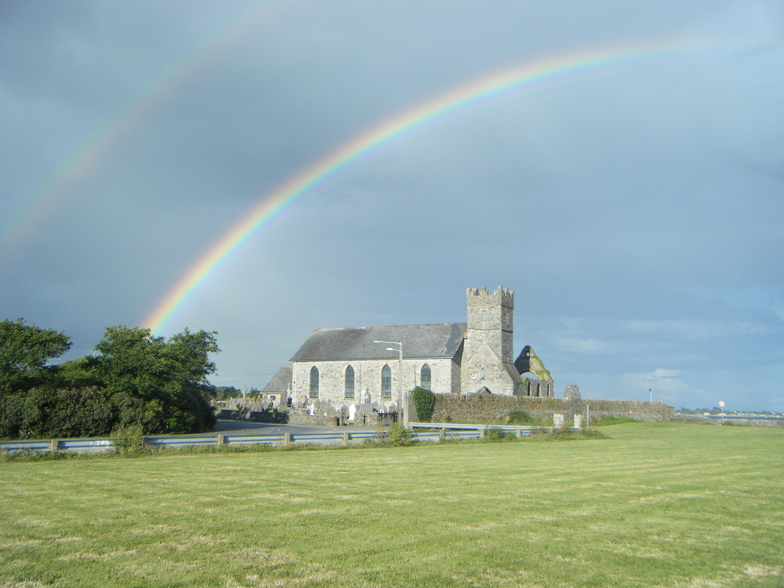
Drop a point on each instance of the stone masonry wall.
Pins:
(331, 399)
(489, 407)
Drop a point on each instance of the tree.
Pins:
(160, 384)
(45, 413)
(78, 373)
(133, 379)
(24, 351)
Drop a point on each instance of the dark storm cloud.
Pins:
(635, 211)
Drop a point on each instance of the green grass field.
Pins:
(653, 505)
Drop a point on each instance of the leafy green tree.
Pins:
(192, 350)
(134, 379)
(160, 384)
(78, 373)
(45, 413)
(24, 352)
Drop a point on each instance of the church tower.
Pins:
(490, 320)
(487, 354)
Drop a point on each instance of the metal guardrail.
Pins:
(420, 432)
(91, 444)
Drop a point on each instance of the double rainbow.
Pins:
(524, 77)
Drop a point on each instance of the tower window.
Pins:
(484, 315)
(424, 377)
(386, 382)
(314, 382)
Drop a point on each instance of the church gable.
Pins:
(484, 369)
(480, 354)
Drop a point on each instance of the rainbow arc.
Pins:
(508, 82)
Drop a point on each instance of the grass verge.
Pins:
(662, 504)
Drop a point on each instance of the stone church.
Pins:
(360, 370)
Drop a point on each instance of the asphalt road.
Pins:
(248, 428)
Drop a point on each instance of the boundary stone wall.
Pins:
(361, 419)
(253, 416)
(477, 408)
(489, 407)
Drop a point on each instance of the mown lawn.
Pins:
(654, 505)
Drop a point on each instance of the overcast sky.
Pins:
(636, 211)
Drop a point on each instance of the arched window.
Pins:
(349, 382)
(386, 382)
(424, 377)
(314, 382)
(482, 374)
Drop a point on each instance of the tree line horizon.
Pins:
(132, 379)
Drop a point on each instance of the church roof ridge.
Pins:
(386, 326)
(359, 343)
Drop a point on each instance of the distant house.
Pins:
(278, 389)
(354, 370)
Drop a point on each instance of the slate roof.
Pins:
(280, 382)
(357, 343)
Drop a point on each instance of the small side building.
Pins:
(278, 389)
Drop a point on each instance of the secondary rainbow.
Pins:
(501, 84)
(97, 146)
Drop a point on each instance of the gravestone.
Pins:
(364, 404)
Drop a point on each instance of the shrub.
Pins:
(83, 412)
(10, 415)
(520, 417)
(128, 440)
(398, 435)
(494, 434)
(424, 403)
(46, 413)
